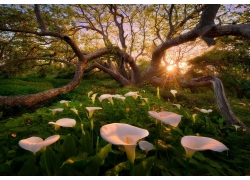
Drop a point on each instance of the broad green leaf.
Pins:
(5, 169)
(165, 173)
(144, 168)
(81, 160)
(92, 169)
(85, 142)
(199, 156)
(188, 131)
(179, 130)
(119, 167)
(175, 172)
(212, 171)
(29, 168)
(69, 147)
(213, 163)
(49, 159)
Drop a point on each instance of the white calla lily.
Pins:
(206, 111)
(170, 118)
(64, 122)
(146, 146)
(91, 110)
(74, 110)
(106, 96)
(133, 94)
(35, 144)
(118, 96)
(173, 92)
(177, 105)
(123, 134)
(65, 102)
(145, 99)
(192, 144)
(56, 110)
(242, 104)
(236, 127)
(89, 93)
(194, 117)
(93, 98)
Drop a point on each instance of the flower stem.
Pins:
(46, 166)
(132, 169)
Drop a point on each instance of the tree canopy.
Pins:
(114, 38)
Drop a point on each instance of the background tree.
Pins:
(47, 34)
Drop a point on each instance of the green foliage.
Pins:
(74, 153)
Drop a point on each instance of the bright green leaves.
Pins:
(92, 169)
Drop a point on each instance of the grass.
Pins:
(81, 158)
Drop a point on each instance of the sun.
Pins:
(170, 68)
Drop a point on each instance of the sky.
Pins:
(121, 2)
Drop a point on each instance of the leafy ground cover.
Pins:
(81, 150)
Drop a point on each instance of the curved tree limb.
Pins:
(220, 97)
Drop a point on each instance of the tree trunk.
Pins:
(223, 104)
(220, 97)
(32, 99)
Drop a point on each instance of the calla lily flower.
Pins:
(64, 122)
(192, 144)
(89, 93)
(123, 134)
(56, 110)
(133, 94)
(91, 110)
(74, 110)
(118, 96)
(194, 117)
(146, 146)
(236, 127)
(166, 117)
(106, 96)
(93, 98)
(173, 92)
(35, 144)
(177, 105)
(204, 110)
(145, 99)
(66, 102)
(158, 92)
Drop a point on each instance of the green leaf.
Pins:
(69, 147)
(12, 124)
(92, 169)
(85, 142)
(175, 172)
(29, 168)
(188, 131)
(212, 171)
(115, 170)
(213, 163)
(199, 156)
(178, 130)
(49, 159)
(80, 160)
(144, 168)
(5, 169)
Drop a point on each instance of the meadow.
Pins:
(79, 149)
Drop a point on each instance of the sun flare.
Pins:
(170, 68)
